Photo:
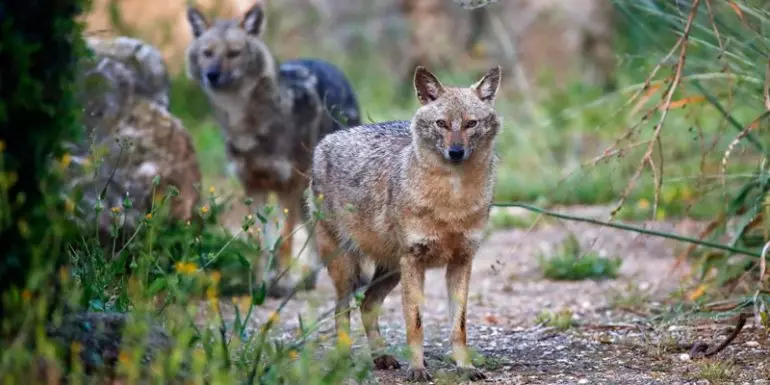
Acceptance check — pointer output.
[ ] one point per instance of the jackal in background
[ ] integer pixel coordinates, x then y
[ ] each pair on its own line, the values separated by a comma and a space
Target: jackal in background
407, 196
272, 114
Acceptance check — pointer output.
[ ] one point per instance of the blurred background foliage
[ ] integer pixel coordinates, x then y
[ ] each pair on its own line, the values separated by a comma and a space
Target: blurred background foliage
570, 70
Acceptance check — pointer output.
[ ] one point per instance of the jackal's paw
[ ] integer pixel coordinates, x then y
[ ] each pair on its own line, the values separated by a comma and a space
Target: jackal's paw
471, 374
386, 362
418, 375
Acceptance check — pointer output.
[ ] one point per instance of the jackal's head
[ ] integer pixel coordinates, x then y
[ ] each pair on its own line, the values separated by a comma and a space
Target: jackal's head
225, 54
455, 121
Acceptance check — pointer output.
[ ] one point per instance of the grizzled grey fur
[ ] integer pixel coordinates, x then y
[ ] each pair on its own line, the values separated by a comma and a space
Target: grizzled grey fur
272, 113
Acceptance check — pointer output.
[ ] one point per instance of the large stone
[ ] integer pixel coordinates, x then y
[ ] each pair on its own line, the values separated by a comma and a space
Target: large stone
131, 139
151, 77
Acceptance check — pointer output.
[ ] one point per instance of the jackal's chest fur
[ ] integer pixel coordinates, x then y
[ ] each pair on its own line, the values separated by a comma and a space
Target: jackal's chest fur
444, 221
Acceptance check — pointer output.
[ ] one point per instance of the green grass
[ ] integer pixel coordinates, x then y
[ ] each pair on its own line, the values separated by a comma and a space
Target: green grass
715, 371
561, 320
569, 262
631, 297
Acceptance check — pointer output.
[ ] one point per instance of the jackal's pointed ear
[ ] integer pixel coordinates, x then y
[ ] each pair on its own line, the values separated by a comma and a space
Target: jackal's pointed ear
254, 20
487, 87
426, 84
197, 21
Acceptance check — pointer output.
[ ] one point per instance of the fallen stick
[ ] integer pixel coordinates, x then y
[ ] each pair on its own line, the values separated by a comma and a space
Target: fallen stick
701, 349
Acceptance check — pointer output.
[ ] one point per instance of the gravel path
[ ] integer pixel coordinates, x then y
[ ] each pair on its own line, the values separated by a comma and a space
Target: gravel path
609, 343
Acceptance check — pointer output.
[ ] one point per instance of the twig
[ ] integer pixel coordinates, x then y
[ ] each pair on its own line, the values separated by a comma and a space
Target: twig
714, 25
635, 229
754, 123
767, 86
701, 349
647, 158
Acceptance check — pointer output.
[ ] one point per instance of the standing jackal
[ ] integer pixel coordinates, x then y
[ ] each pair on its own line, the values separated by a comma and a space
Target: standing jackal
407, 196
272, 114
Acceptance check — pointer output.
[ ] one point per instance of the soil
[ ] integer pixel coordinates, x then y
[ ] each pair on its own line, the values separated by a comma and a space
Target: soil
613, 338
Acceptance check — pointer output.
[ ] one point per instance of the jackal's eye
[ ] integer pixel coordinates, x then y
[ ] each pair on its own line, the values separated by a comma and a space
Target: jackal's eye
471, 123
442, 123
208, 53
233, 53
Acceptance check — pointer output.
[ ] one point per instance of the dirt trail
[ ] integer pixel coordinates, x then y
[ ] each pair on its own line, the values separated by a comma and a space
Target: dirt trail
608, 345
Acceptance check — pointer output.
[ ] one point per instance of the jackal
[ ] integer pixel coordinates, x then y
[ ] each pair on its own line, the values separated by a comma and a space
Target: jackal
272, 114
407, 196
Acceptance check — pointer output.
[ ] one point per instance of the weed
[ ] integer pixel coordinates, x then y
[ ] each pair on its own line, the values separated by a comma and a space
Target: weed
561, 320
715, 371
570, 263
631, 297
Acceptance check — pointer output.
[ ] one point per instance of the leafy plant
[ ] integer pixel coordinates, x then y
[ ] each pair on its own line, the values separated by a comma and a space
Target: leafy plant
561, 320
570, 263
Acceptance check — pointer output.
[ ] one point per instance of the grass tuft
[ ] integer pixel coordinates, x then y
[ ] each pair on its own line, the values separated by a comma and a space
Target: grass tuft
572, 264
561, 320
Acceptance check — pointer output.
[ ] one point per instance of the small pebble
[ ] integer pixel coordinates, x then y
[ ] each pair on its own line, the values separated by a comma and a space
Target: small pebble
684, 357
583, 381
752, 344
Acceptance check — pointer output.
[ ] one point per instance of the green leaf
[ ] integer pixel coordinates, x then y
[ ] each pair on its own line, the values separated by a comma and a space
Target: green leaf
258, 296
156, 286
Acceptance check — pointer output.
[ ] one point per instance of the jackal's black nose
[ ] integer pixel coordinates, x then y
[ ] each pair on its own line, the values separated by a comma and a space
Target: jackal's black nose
456, 153
212, 76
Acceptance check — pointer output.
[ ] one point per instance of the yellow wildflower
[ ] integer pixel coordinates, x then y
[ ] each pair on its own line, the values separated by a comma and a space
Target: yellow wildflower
115, 209
343, 338
216, 276
124, 358
212, 190
697, 293
321, 197
66, 159
205, 209
148, 216
293, 354
249, 217
661, 214
643, 204
285, 211
186, 268
275, 317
